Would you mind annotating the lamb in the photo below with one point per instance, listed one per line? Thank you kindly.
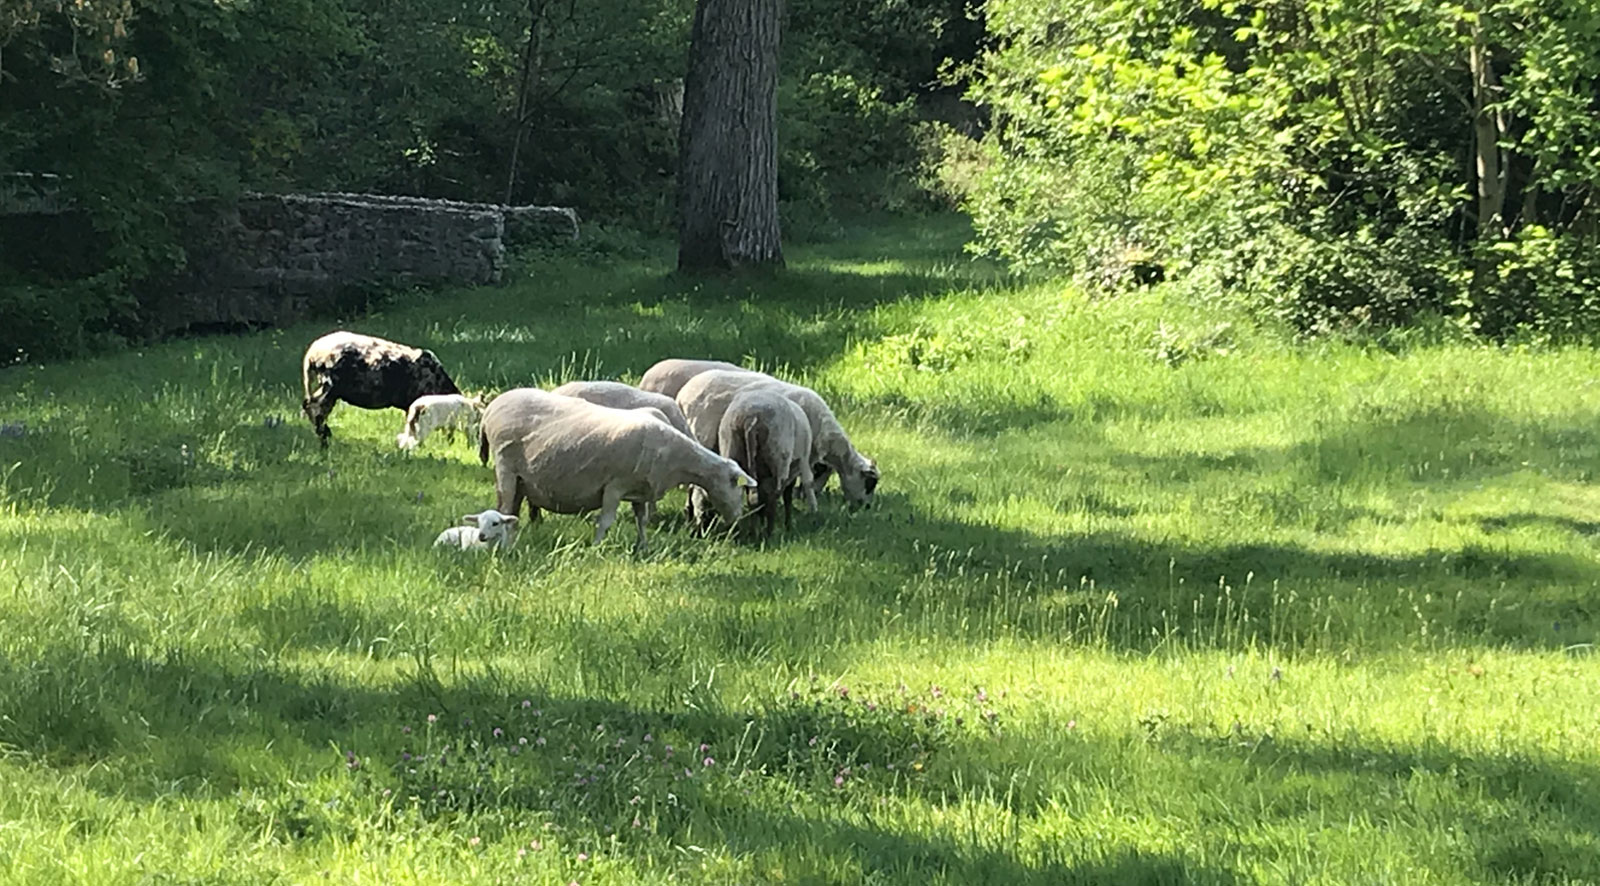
(705, 398)
(484, 530)
(431, 412)
(570, 456)
(368, 372)
(620, 396)
(669, 376)
(769, 436)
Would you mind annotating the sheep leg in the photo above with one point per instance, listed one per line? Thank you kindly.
(608, 513)
(641, 519)
(808, 485)
(767, 495)
(788, 507)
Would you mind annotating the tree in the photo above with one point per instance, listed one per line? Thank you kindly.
(728, 167)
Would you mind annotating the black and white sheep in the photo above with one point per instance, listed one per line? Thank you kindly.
(620, 396)
(570, 456)
(669, 376)
(368, 372)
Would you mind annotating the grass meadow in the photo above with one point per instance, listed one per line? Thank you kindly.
(1150, 594)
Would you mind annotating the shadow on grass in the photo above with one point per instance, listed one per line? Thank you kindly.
(797, 783)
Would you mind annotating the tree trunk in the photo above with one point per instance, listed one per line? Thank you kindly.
(532, 68)
(728, 145)
(1488, 126)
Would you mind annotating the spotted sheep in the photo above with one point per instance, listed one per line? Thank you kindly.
(368, 372)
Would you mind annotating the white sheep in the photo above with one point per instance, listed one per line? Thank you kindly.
(620, 396)
(434, 411)
(570, 456)
(705, 398)
(669, 376)
(487, 529)
(769, 436)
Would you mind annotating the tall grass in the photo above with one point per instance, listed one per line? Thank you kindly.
(1150, 595)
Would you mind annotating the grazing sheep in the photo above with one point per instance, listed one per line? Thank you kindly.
(620, 396)
(769, 436)
(705, 398)
(669, 376)
(368, 372)
(434, 411)
(570, 456)
(488, 529)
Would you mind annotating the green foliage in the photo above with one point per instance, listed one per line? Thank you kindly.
(1316, 156)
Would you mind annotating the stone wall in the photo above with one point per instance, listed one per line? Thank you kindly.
(270, 260)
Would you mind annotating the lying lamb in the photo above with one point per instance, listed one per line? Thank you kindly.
(488, 529)
(368, 372)
(570, 456)
(669, 376)
(434, 411)
(705, 398)
(770, 438)
(620, 396)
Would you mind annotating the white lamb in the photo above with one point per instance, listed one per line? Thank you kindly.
(570, 456)
(487, 529)
(430, 413)
(620, 396)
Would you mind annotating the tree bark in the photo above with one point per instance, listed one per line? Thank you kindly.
(728, 145)
(532, 68)
(1488, 126)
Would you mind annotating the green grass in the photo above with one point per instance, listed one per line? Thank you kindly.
(1145, 599)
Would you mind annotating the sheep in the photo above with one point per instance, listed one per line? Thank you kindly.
(570, 456)
(620, 396)
(487, 529)
(769, 436)
(669, 376)
(705, 398)
(368, 372)
(430, 412)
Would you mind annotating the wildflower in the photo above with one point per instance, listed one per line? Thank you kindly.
(982, 696)
(498, 732)
(708, 762)
(844, 691)
(535, 845)
(433, 718)
(387, 792)
(539, 741)
(812, 742)
(636, 800)
(619, 743)
(526, 704)
(648, 738)
(636, 822)
(474, 841)
(583, 856)
(405, 730)
(522, 853)
(405, 756)
(838, 781)
(669, 750)
(871, 706)
(1072, 724)
(704, 747)
(936, 692)
(522, 740)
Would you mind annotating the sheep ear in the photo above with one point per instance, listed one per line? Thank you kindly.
(470, 519)
(510, 521)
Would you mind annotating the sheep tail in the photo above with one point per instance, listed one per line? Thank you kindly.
(752, 447)
(483, 446)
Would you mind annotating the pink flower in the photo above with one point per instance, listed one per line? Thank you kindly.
(709, 762)
(474, 841)
(526, 704)
(498, 732)
(583, 856)
(1072, 724)
(648, 738)
(433, 718)
(535, 845)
